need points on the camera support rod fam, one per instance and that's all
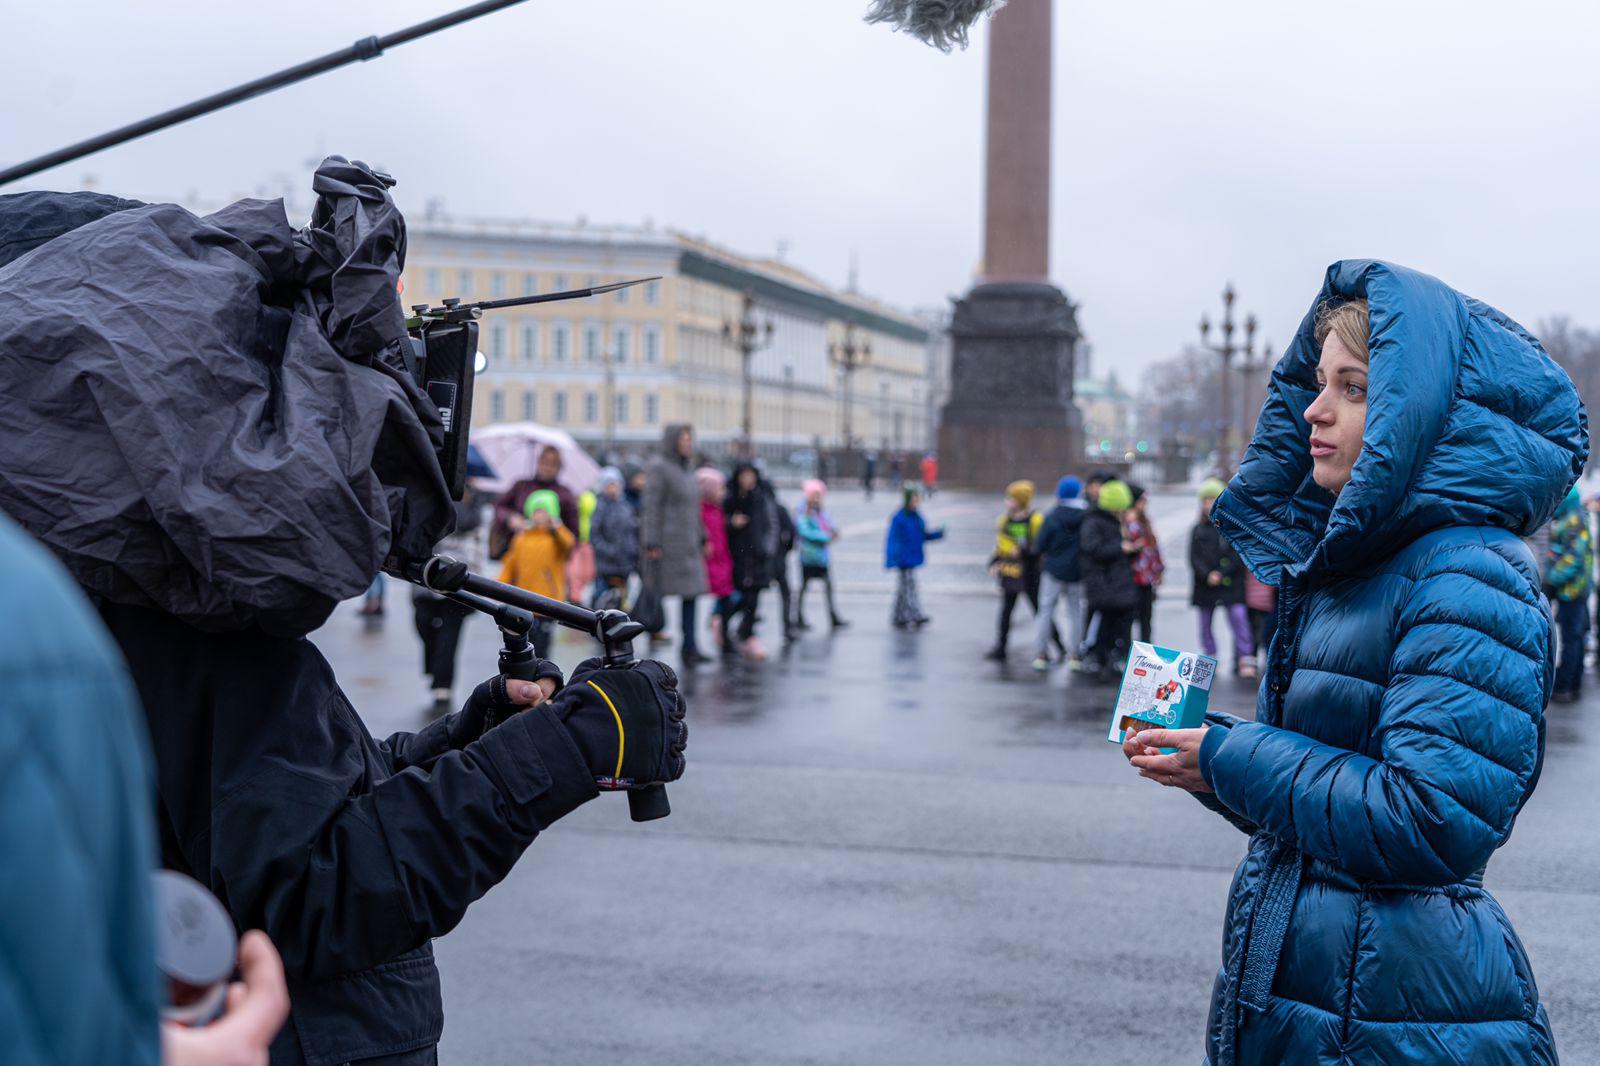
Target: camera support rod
(364, 49)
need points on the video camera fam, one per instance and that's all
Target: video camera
(444, 359)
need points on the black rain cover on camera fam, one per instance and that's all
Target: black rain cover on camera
(211, 416)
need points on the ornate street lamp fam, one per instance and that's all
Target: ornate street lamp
(849, 357)
(1226, 351)
(750, 338)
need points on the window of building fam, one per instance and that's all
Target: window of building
(530, 284)
(622, 408)
(621, 344)
(559, 284)
(497, 343)
(560, 412)
(497, 406)
(431, 285)
(591, 343)
(530, 342)
(464, 284)
(652, 292)
(497, 285)
(529, 407)
(591, 407)
(652, 408)
(652, 343)
(623, 295)
(559, 333)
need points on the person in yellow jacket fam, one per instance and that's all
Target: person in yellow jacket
(1016, 562)
(537, 560)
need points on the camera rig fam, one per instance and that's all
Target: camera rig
(444, 358)
(513, 610)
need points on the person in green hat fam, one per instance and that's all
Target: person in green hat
(1219, 581)
(1108, 587)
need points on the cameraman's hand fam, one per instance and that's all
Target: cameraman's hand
(257, 1006)
(498, 699)
(627, 722)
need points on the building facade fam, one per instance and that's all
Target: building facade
(614, 369)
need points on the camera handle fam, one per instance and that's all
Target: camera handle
(512, 610)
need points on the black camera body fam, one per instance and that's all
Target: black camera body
(444, 359)
(444, 353)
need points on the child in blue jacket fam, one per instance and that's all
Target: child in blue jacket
(903, 554)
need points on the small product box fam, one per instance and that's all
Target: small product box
(1162, 689)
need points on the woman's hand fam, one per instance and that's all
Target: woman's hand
(1181, 769)
(1214, 578)
(739, 521)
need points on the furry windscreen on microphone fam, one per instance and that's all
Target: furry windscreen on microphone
(941, 23)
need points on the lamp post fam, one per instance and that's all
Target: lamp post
(1250, 364)
(750, 339)
(849, 356)
(1227, 350)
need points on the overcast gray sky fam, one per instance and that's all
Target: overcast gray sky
(1255, 140)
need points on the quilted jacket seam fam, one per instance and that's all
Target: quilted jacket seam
(1518, 774)
(1452, 679)
(1414, 626)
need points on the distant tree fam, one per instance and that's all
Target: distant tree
(1577, 351)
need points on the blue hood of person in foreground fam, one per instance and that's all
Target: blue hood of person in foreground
(1469, 423)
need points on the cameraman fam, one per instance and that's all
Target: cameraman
(350, 853)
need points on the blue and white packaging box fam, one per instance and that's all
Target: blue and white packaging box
(1162, 689)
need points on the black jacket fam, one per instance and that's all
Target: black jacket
(1209, 553)
(1107, 569)
(349, 853)
(1058, 542)
(753, 545)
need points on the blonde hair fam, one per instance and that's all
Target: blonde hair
(1349, 321)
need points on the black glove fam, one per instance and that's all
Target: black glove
(627, 722)
(490, 704)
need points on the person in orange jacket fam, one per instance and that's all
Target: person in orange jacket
(537, 560)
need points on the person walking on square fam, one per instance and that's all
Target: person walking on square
(1108, 587)
(903, 553)
(752, 542)
(1219, 582)
(718, 564)
(672, 534)
(1261, 600)
(1410, 438)
(782, 523)
(1569, 575)
(1061, 578)
(930, 475)
(817, 534)
(1091, 616)
(1148, 566)
(439, 619)
(1015, 562)
(537, 560)
(614, 534)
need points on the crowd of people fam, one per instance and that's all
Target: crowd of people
(1095, 562)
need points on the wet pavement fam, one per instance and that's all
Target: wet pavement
(888, 850)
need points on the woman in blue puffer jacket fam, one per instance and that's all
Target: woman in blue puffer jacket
(1400, 725)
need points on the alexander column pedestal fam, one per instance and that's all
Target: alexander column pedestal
(1013, 337)
(1010, 412)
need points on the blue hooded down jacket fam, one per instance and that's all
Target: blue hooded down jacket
(1400, 722)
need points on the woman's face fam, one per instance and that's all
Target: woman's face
(549, 465)
(1338, 415)
(685, 443)
(747, 480)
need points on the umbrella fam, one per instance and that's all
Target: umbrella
(512, 450)
(477, 465)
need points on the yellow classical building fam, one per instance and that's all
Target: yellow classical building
(614, 369)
